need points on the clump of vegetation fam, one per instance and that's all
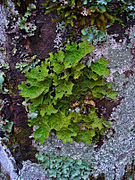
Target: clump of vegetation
(98, 14)
(64, 168)
(78, 13)
(63, 90)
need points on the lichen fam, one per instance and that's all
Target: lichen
(117, 152)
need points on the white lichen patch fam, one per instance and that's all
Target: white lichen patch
(60, 29)
(32, 171)
(5, 13)
(7, 162)
(3, 23)
(115, 154)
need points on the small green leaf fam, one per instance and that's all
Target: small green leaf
(32, 6)
(63, 88)
(107, 124)
(97, 124)
(32, 91)
(66, 135)
(84, 32)
(99, 90)
(90, 74)
(67, 13)
(27, 14)
(47, 109)
(102, 9)
(37, 101)
(39, 73)
(100, 68)
(84, 136)
(19, 4)
(77, 70)
(42, 133)
(112, 95)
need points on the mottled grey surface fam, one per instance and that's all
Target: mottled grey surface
(118, 151)
(3, 23)
(32, 171)
(7, 162)
(5, 14)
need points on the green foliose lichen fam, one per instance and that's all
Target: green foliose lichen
(63, 91)
(63, 168)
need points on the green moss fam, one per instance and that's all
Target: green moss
(81, 13)
(60, 82)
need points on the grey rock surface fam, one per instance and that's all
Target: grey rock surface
(32, 171)
(5, 14)
(7, 162)
(3, 36)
